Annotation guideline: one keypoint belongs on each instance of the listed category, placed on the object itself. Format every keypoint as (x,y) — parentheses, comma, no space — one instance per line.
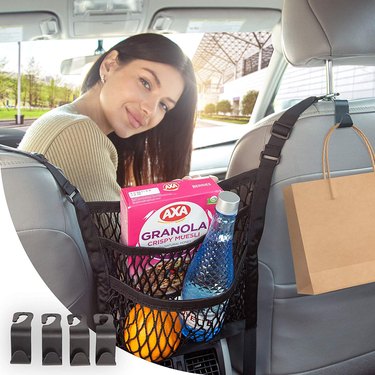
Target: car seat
(11,137)
(47,226)
(332,333)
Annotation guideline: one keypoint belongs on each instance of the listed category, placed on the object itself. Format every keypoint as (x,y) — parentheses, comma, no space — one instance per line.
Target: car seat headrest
(343,31)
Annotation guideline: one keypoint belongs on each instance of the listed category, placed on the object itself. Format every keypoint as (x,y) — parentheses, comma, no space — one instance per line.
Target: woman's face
(136,96)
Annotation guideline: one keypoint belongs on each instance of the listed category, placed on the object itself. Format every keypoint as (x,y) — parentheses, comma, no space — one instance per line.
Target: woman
(133,123)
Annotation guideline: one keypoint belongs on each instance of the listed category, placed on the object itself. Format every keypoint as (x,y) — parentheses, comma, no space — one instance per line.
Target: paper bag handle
(325,159)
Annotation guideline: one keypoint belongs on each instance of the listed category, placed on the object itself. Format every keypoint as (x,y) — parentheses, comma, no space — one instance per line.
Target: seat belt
(269,158)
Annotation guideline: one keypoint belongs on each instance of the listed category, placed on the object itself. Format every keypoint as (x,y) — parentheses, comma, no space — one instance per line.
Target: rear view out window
(351,82)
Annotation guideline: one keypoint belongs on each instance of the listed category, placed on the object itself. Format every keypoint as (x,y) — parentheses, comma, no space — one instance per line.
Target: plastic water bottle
(211,271)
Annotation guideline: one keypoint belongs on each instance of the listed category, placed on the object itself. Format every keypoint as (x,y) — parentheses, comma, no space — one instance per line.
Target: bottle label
(207,319)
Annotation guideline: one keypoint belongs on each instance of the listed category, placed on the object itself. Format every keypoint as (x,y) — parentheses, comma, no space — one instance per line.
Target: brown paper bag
(331,226)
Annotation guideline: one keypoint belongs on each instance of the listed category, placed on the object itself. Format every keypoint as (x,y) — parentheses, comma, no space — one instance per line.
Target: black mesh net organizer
(145,285)
(141,293)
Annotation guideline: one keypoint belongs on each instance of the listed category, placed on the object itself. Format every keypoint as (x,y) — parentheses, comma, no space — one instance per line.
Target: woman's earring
(102,78)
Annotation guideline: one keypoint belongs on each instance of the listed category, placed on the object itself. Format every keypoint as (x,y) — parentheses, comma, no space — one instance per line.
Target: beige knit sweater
(75,144)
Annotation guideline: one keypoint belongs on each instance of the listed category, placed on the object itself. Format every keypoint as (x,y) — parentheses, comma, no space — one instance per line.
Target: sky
(48,54)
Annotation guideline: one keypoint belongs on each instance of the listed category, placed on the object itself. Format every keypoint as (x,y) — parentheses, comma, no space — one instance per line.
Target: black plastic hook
(51,340)
(20,335)
(79,341)
(105,339)
(342,116)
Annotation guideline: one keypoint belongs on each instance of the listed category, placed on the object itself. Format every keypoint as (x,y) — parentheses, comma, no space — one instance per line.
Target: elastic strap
(270,157)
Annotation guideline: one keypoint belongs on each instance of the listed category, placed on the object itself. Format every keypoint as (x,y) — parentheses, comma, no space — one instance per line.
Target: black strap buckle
(71,196)
(280,130)
(70,191)
(269,157)
(40,157)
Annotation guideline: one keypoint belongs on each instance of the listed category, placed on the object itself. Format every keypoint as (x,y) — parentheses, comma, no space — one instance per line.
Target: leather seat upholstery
(47,227)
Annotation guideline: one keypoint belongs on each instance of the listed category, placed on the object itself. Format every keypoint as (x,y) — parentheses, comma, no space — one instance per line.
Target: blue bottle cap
(227,203)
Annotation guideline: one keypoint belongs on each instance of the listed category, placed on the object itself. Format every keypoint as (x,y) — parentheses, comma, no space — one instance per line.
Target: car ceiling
(55,19)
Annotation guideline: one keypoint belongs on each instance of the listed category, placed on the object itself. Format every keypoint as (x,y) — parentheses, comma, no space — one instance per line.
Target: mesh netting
(146,283)
(153,330)
(153,271)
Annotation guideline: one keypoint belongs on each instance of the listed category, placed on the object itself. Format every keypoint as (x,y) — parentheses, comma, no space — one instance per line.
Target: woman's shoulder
(58,122)
(60,118)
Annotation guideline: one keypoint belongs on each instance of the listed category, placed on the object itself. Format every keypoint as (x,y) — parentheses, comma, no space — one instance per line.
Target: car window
(49,54)
(350,81)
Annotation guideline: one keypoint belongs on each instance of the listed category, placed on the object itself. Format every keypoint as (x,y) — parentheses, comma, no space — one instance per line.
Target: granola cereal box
(165,215)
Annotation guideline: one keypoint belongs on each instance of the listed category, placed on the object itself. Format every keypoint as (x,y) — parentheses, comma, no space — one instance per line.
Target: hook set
(52,339)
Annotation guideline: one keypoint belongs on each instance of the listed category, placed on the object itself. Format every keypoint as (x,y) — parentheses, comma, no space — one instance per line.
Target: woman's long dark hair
(162,153)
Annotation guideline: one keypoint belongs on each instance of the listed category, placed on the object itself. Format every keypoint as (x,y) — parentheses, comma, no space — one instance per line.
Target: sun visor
(314,31)
(206,20)
(30,26)
(107,18)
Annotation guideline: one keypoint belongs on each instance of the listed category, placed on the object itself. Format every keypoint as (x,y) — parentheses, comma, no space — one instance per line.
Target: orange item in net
(151,334)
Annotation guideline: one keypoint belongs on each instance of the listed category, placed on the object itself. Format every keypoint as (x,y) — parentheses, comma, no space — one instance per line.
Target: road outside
(12,124)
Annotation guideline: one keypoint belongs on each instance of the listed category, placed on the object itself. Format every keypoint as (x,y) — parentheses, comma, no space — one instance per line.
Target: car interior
(324,334)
